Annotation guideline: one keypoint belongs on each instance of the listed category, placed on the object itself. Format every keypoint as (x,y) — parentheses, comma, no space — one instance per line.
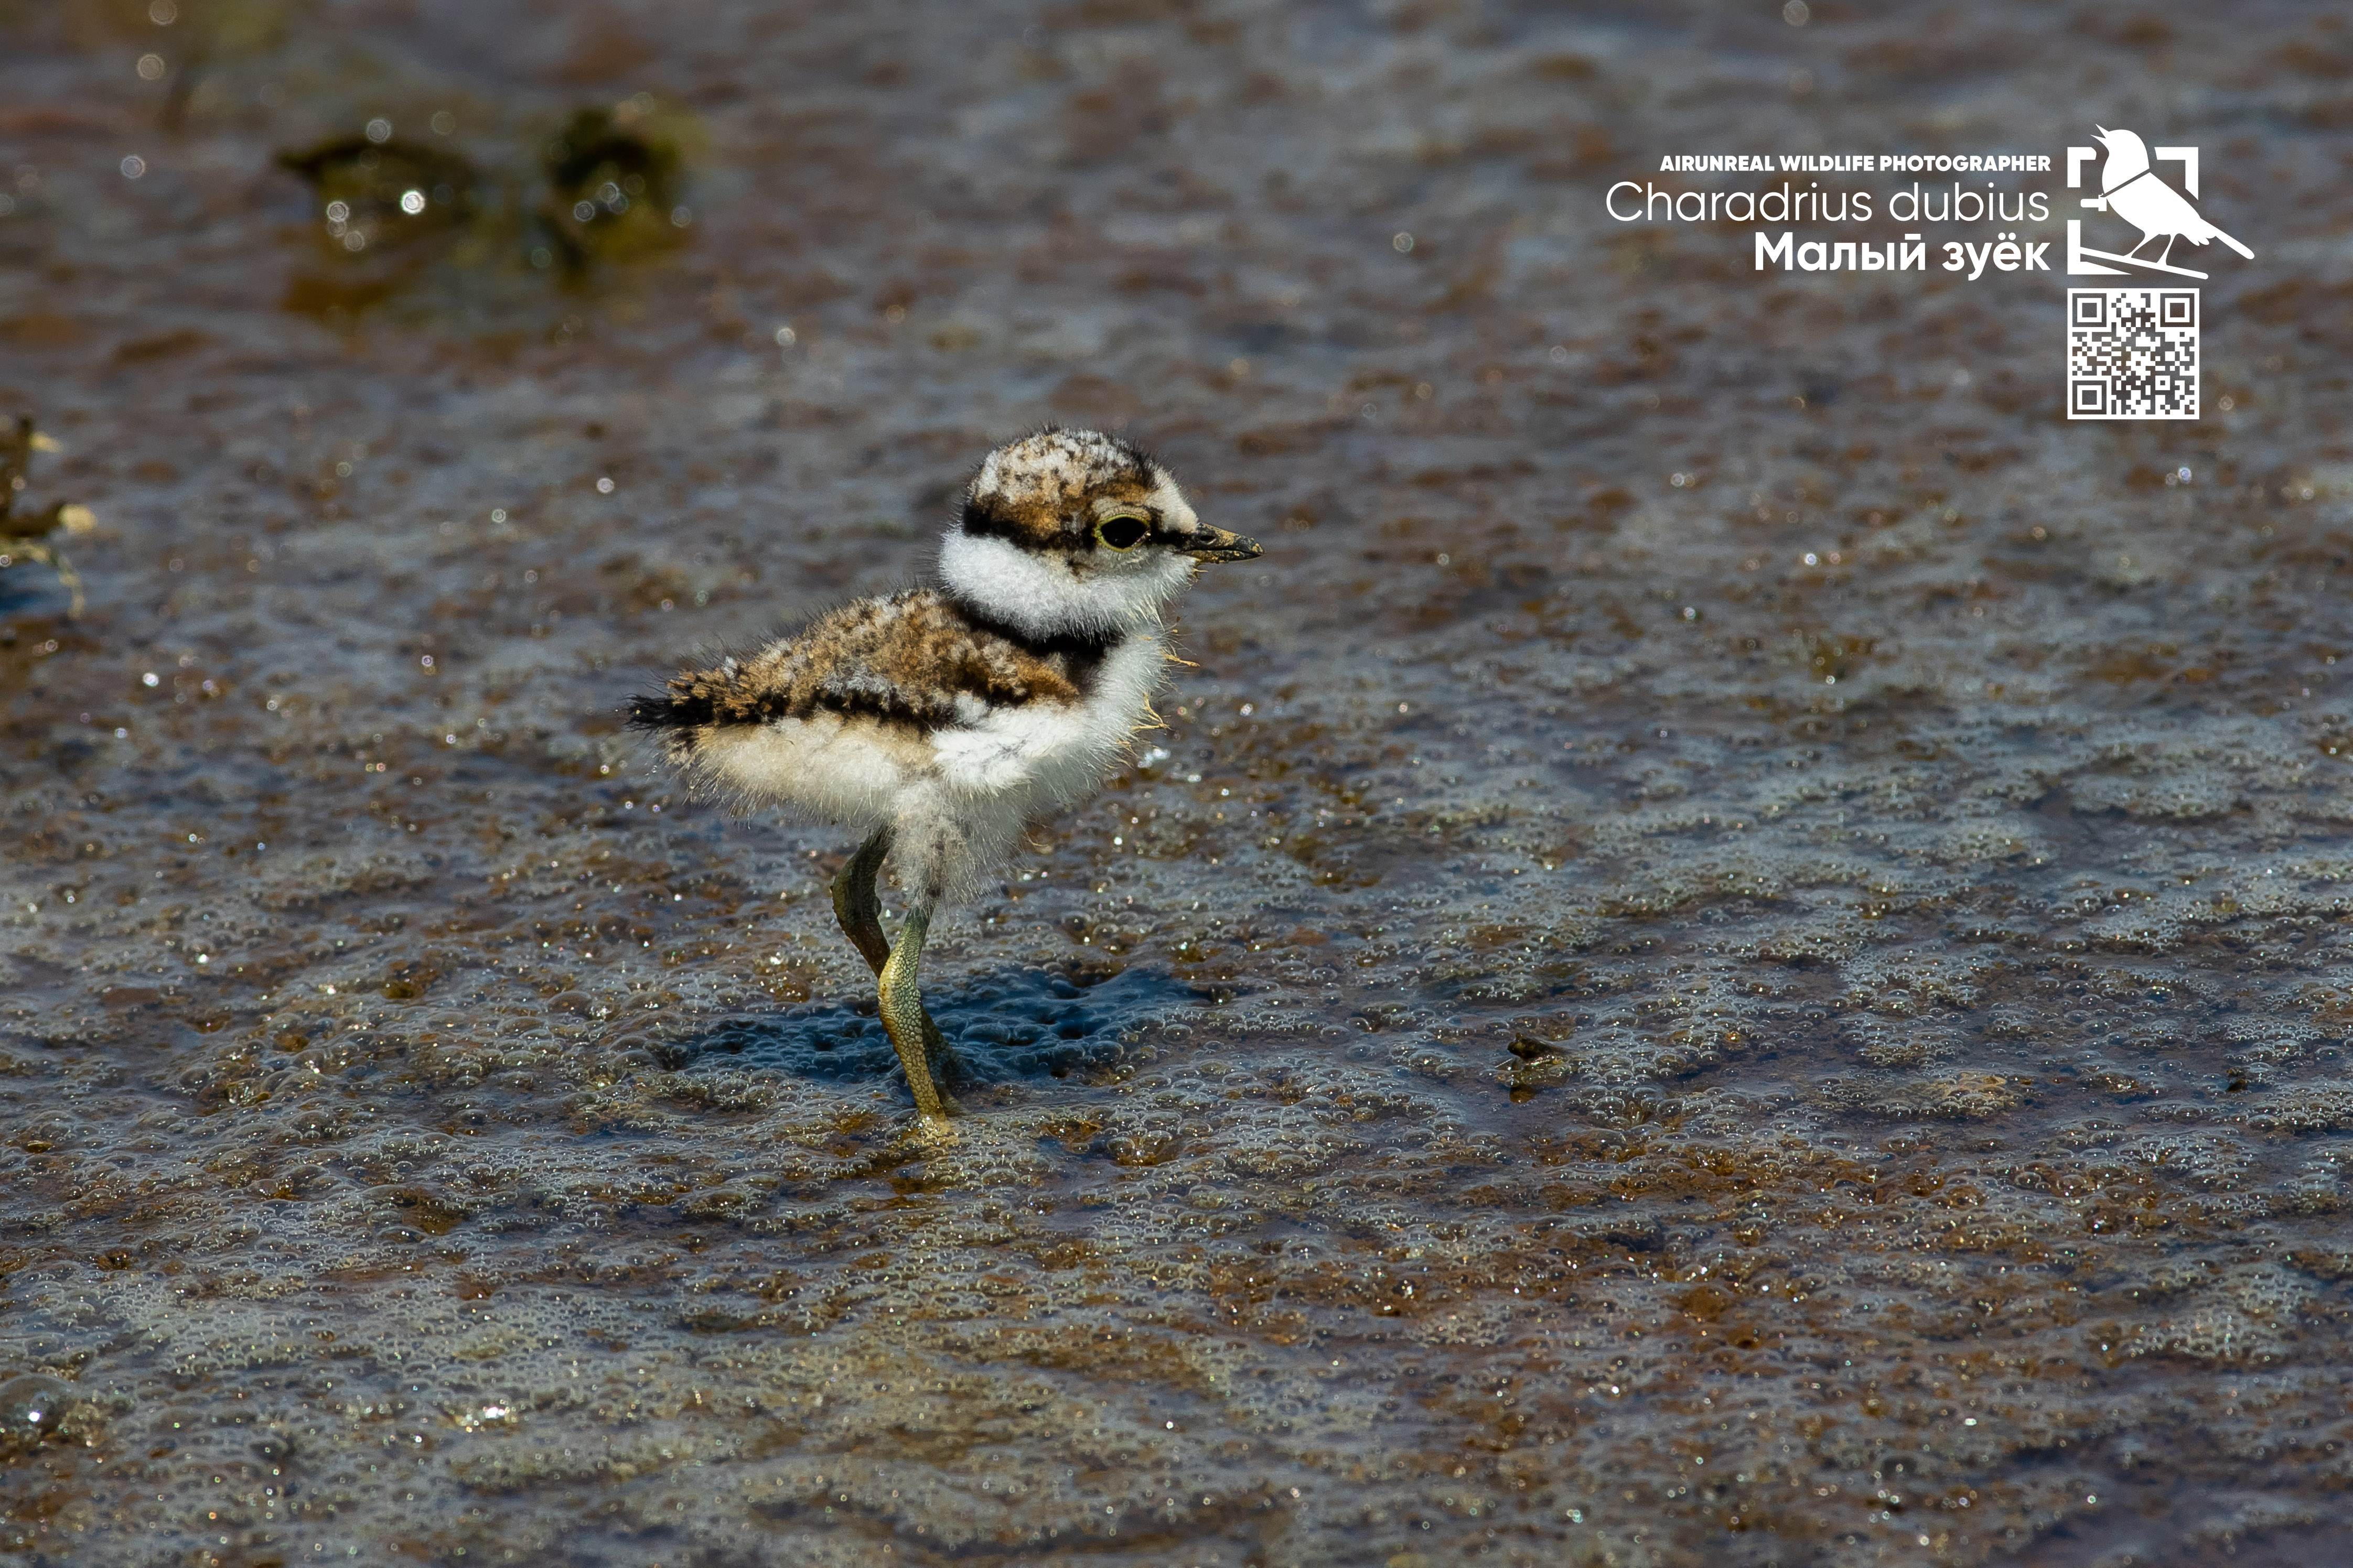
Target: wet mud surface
(1736,948)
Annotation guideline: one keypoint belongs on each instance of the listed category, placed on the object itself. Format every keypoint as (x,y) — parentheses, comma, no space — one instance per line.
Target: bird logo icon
(2131,188)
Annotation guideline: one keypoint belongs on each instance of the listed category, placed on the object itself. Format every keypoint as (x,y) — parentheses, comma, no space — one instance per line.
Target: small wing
(918,658)
(912,659)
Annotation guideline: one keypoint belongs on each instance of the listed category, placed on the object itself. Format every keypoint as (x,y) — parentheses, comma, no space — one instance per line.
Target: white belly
(957,800)
(1042,755)
(850,771)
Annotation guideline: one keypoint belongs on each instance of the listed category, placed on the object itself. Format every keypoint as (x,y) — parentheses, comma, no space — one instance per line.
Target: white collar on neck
(1041,596)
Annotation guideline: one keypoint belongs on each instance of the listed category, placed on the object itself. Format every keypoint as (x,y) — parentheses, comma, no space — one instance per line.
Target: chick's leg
(912,1033)
(72,578)
(855,904)
(858,907)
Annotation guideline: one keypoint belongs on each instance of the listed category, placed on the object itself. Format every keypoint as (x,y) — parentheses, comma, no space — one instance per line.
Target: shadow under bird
(939,722)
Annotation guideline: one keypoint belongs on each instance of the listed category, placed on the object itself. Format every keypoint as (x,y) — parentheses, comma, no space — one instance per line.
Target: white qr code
(2132,353)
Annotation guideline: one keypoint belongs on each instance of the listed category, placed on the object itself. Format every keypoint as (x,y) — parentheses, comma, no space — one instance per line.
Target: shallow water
(1795,1016)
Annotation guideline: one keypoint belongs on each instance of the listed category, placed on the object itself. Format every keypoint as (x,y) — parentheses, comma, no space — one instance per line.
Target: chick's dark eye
(1122,532)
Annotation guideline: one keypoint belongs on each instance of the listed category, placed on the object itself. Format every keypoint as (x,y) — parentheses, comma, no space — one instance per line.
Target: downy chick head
(1073,532)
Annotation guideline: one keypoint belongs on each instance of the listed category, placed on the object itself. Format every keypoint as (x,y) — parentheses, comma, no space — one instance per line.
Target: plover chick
(941,721)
